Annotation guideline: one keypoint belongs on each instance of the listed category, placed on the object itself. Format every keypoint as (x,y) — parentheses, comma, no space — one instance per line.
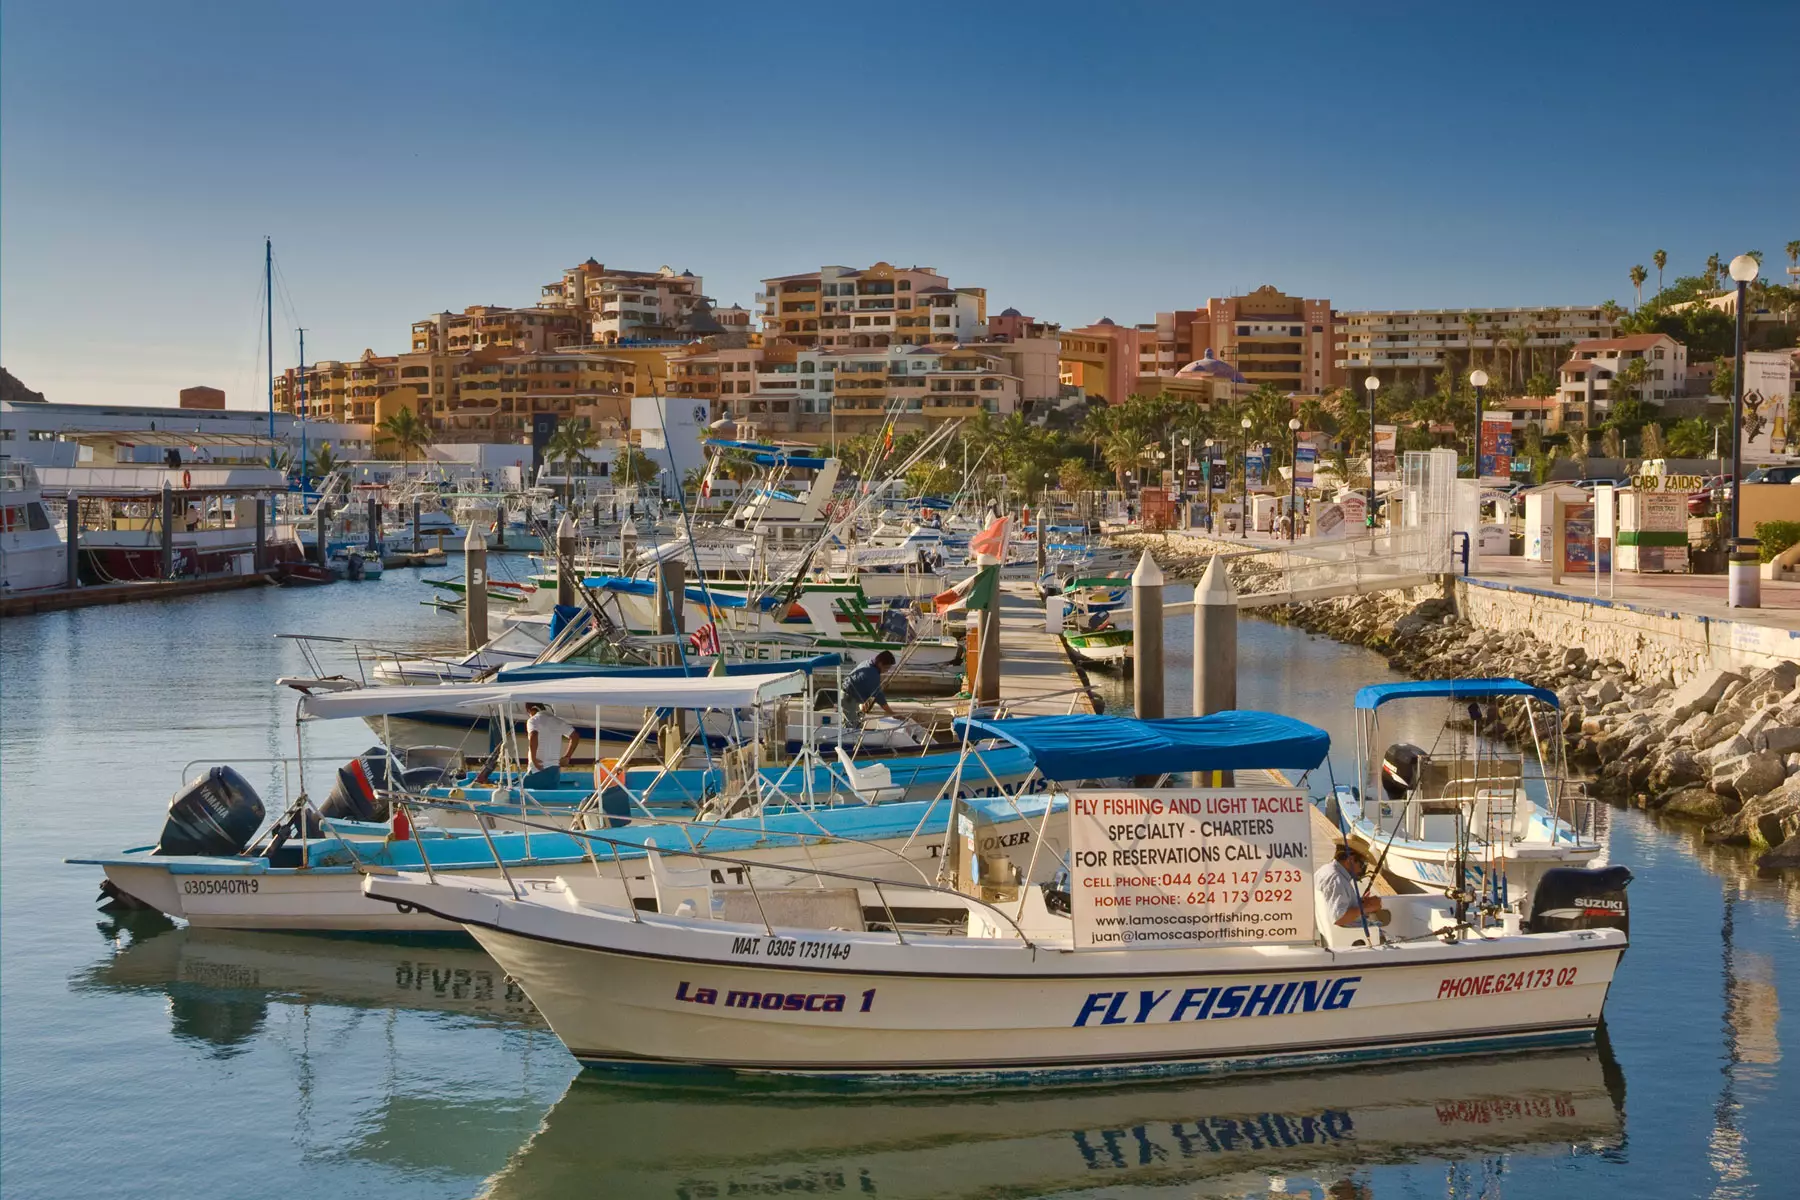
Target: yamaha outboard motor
(356,794)
(217,814)
(1575,898)
(1400,769)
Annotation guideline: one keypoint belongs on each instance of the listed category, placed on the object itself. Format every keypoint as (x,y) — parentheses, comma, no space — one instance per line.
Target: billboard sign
(1495,464)
(1768,387)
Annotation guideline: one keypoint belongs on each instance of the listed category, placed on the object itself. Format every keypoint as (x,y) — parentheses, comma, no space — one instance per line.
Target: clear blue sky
(1079,161)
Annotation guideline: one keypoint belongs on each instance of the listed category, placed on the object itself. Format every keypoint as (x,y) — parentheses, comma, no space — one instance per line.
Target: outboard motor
(356,794)
(1401,767)
(1578,898)
(217,815)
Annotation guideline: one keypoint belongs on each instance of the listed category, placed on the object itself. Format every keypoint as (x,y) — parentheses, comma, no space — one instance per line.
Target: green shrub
(1776,536)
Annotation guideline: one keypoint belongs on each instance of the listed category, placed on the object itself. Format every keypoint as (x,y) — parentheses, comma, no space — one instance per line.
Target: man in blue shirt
(863,687)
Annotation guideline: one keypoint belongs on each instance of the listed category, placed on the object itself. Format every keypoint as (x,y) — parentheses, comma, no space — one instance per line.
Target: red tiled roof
(1637,341)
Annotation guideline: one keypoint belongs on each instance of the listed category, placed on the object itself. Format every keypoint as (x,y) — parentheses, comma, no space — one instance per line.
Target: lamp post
(1479,378)
(1371,383)
(1206,481)
(1293,477)
(1744,584)
(1244,508)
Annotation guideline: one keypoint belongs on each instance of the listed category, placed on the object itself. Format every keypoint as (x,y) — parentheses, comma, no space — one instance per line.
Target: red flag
(991,541)
(887,442)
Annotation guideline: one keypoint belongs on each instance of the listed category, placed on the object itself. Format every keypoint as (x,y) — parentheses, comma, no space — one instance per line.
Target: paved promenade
(1688,595)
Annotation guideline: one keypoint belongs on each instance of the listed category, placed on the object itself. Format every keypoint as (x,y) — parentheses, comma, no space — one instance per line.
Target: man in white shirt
(1343,902)
(551,741)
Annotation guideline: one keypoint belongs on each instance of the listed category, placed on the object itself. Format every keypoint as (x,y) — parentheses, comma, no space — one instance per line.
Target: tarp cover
(1080,746)
(647,587)
(1377,694)
(701,692)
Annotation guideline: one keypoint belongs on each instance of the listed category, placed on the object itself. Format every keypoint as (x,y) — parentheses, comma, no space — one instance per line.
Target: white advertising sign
(1176,868)
(1767,386)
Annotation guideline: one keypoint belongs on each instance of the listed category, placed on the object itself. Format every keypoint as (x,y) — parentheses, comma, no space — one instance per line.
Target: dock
(1037,676)
(21,604)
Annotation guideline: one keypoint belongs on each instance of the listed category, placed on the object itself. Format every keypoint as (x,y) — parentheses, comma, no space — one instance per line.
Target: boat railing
(743,868)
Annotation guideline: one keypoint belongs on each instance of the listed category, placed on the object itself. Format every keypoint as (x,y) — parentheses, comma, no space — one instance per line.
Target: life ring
(187,479)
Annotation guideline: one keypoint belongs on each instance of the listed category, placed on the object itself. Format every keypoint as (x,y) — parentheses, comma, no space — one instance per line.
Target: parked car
(1591,484)
(1777,473)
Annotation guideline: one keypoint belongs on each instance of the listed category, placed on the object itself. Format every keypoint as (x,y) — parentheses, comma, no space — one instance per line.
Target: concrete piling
(168,533)
(1147,638)
(73,563)
(1215,652)
(475,596)
(565,560)
(259,560)
(321,552)
(374,523)
(415,528)
(987,656)
(671,599)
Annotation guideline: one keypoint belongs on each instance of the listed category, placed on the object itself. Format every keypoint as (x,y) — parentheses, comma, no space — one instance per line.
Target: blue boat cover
(770,456)
(1081,746)
(525,672)
(647,587)
(563,616)
(1377,694)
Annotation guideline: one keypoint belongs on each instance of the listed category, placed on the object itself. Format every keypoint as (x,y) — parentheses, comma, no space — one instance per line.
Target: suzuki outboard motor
(356,794)
(217,814)
(1400,768)
(1574,898)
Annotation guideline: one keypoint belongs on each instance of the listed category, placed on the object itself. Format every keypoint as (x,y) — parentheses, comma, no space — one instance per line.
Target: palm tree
(1793,253)
(1638,275)
(1651,443)
(1516,341)
(324,462)
(1612,312)
(1713,269)
(569,445)
(1661,259)
(1473,322)
(406,431)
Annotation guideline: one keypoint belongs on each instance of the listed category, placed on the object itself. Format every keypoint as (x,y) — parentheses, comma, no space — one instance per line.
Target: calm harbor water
(150,1060)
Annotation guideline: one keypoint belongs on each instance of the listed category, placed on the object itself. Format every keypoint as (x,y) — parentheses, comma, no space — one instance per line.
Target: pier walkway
(18,604)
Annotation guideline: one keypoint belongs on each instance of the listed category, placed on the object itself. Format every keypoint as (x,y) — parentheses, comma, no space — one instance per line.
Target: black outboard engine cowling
(1575,898)
(356,796)
(1400,768)
(217,814)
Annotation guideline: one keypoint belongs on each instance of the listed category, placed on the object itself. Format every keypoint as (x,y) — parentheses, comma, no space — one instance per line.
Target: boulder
(1765,821)
(1748,775)
(1606,691)
(1782,676)
(1736,747)
(1699,694)
(1698,804)
(1780,739)
(1677,769)
(1785,857)
(1719,727)
(1574,657)
(1409,626)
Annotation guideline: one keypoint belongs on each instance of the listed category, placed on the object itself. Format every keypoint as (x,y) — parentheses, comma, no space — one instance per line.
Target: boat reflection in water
(221,981)
(613,1139)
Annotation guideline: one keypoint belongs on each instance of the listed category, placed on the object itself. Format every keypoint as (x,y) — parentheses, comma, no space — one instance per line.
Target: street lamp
(1293,478)
(1206,481)
(1244,508)
(1743,585)
(1479,378)
(1371,383)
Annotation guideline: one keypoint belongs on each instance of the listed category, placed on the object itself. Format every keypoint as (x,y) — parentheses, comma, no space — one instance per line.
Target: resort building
(871,308)
(1584,384)
(1101,360)
(1415,345)
(619,306)
(1269,336)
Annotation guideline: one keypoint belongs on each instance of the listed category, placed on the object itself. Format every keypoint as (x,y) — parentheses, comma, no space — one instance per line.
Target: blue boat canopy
(770,456)
(647,587)
(1377,694)
(1082,746)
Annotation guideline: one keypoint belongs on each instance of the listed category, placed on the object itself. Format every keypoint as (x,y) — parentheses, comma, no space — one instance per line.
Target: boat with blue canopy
(1176,935)
(1469,814)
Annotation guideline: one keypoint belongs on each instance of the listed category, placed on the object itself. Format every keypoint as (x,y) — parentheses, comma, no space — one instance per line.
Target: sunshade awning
(1377,694)
(702,691)
(533,672)
(647,587)
(1080,746)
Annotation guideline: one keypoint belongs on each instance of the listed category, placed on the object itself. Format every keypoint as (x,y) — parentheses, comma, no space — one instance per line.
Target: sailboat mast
(269,309)
(304,469)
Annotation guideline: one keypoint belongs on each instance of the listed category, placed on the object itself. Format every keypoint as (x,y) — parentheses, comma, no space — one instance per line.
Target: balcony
(958,406)
(854,406)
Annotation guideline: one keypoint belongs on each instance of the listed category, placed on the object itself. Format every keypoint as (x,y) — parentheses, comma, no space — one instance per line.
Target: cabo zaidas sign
(1176,868)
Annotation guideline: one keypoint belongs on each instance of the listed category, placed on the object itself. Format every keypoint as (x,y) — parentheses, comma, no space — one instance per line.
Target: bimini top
(1377,694)
(1081,746)
(647,587)
(770,456)
(584,692)
(534,672)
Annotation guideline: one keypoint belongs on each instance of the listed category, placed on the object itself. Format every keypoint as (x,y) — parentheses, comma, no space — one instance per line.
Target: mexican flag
(979,591)
(990,542)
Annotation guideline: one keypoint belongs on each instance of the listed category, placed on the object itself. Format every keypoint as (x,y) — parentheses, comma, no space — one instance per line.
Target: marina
(1047,667)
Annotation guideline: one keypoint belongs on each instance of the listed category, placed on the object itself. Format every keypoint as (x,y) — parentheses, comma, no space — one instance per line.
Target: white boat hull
(659,992)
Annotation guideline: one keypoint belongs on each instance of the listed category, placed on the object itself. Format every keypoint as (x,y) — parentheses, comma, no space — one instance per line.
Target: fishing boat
(998,978)
(1100,647)
(1469,812)
(33,554)
(217,866)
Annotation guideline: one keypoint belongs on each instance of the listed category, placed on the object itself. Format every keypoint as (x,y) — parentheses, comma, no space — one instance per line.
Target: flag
(990,541)
(706,479)
(978,591)
(887,442)
(704,640)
